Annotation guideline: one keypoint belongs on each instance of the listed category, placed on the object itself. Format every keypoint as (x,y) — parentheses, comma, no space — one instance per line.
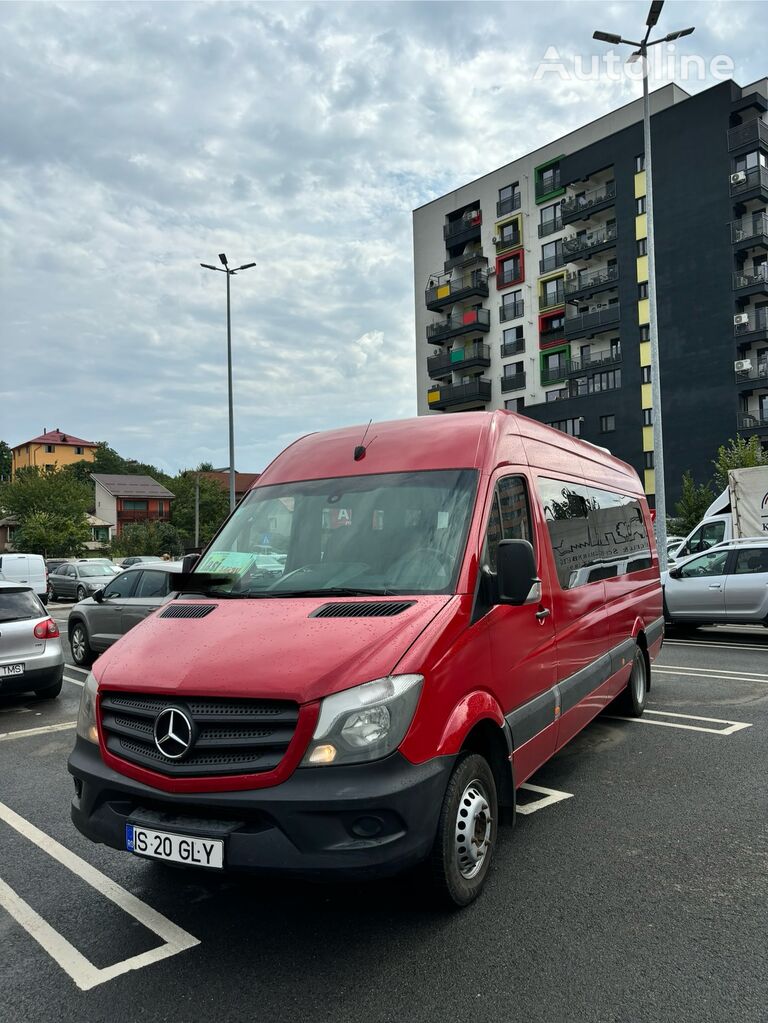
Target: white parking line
(733,726)
(715,673)
(719,646)
(75,681)
(74,667)
(549,797)
(80,969)
(62,726)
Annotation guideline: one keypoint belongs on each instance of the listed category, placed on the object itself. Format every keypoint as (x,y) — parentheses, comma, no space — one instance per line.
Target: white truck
(740,511)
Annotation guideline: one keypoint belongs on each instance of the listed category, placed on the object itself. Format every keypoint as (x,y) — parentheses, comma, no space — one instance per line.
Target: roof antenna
(360,448)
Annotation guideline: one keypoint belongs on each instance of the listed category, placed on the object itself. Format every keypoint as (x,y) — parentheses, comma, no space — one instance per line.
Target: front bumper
(369,820)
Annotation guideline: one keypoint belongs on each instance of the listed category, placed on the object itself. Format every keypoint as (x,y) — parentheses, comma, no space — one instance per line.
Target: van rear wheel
(633,699)
(466,833)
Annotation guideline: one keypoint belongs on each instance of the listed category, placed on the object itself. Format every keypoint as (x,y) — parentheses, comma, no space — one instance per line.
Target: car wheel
(632,700)
(80,594)
(50,693)
(466,833)
(82,654)
(51,592)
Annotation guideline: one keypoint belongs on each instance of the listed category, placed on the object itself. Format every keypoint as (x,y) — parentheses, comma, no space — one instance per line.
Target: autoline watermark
(663,62)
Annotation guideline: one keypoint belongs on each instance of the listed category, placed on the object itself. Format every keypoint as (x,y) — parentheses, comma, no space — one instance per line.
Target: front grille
(234,736)
(364,609)
(187,610)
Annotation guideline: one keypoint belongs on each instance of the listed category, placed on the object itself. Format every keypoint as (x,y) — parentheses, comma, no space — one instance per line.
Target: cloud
(141,139)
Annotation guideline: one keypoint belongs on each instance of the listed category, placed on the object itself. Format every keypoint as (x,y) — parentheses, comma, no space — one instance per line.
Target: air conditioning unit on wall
(739,319)
(738,178)
(742,365)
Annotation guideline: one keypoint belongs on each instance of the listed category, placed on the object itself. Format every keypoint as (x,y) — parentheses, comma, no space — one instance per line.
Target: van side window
(596,534)
(510,517)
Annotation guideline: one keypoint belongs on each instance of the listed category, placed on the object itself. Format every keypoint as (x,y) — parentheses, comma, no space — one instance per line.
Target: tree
(737,454)
(45,490)
(52,535)
(147,538)
(689,510)
(214,507)
(6,461)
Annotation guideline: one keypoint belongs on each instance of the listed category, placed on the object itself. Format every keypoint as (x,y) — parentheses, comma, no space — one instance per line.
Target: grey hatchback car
(77,580)
(98,621)
(727,585)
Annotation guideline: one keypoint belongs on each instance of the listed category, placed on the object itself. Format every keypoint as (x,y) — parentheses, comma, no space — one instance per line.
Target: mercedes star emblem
(173,733)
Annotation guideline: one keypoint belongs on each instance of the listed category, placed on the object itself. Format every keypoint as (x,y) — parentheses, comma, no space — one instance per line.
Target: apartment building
(532,282)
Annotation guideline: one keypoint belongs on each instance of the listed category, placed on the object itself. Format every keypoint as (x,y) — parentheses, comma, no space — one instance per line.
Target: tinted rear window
(17,605)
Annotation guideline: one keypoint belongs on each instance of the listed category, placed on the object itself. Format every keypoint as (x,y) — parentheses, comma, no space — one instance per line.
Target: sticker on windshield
(231,562)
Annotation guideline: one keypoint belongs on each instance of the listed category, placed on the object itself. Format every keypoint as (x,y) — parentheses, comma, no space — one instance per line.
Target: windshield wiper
(332,591)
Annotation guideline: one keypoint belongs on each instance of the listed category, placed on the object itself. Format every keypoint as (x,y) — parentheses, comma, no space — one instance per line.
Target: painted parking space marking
(23,733)
(722,645)
(81,970)
(722,674)
(730,729)
(548,798)
(75,681)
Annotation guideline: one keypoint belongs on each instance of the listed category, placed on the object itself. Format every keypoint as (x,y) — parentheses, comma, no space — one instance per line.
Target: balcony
(550,263)
(750,425)
(752,184)
(511,310)
(751,282)
(448,292)
(552,299)
(755,329)
(469,322)
(514,382)
(588,324)
(512,241)
(512,348)
(551,335)
(581,207)
(585,245)
(548,184)
(578,367)
(756,376)
(554,374)
(465,229)
(550,227)
(464,260)
(477,390)
(444,364)
(588,283)
(508,205)
(126,517)
(750,232)
(751,134)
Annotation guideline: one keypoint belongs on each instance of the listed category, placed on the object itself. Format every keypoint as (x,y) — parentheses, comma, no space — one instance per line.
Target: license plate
(11,669)
(165,845)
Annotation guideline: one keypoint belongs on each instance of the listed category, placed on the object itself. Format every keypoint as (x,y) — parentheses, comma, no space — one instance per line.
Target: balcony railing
(447,292)
(593,322)
(465,259)
(553,374)
(513,382)
(512,348)
(468,222)
(550,227)
(549,334)
(750,278)
(754,373)
(745,134)
(551,263)
(582,205)
(757,321)
(508,205)
(583,243)
(459,394)
(476,354)
(470,320)
(575,283)
(592,362)
(550,299)
(549,184)
(512,241)
(511,310)
(753,226)
(755,178)
(748,422)
(125,517)
(508,277)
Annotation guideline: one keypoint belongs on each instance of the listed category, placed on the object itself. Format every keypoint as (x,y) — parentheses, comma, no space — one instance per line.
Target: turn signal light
(47,629)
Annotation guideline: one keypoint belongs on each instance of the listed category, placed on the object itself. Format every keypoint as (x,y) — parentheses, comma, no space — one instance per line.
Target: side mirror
(98,595)
(675,573)
(516,571)
(189,561)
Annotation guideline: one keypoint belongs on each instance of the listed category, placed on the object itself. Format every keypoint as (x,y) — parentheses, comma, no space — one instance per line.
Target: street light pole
(641,52)
(224,268)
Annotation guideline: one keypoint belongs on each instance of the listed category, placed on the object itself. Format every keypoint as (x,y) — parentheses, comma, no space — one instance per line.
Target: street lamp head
(634,56)
(654,12)
(246,266)
(678,35)
(209,267)
(606,37)
(223,258)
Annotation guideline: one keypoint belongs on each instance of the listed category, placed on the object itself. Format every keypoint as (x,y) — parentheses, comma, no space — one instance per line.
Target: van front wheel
(633,699)
(466,832)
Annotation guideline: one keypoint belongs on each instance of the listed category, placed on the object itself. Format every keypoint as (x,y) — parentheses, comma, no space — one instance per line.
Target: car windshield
(95,570)
(380,534)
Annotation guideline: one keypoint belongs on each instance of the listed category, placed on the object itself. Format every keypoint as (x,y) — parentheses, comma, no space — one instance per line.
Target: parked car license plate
(165,845)
(11,669)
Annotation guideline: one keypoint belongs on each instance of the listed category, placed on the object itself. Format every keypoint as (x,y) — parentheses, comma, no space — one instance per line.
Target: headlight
(364,723)
(86,716)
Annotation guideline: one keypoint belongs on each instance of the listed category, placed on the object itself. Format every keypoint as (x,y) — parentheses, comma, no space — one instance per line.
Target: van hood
(268,648)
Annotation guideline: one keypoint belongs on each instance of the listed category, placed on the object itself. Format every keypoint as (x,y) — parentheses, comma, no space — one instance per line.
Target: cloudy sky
(137,140)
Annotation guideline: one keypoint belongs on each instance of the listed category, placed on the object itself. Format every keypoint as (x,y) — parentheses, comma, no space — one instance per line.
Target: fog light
(323,754)
(367,827)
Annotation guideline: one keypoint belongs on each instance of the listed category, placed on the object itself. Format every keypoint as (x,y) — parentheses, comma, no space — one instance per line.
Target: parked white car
(31,657)
(728,585)
(26,570)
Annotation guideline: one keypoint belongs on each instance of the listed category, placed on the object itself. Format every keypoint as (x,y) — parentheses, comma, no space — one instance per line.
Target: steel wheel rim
(474,828)
(78,644)
(638,679)
(80,593)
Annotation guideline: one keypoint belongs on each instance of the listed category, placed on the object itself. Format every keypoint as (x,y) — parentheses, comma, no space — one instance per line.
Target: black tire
(43,597)
(80,594)
(457,873)
(50,693)
(51,592)
(631,702)
(80,645)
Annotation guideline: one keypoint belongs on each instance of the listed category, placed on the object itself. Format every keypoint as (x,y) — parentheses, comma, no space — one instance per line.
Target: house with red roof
(52,450)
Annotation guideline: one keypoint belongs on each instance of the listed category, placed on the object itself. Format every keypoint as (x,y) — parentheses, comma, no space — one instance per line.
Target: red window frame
(501,260)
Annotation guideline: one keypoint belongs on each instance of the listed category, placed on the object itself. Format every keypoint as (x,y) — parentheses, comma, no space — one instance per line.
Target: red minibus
(386,638)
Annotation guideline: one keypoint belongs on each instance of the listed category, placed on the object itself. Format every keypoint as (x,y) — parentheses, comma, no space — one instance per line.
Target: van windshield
(391,533)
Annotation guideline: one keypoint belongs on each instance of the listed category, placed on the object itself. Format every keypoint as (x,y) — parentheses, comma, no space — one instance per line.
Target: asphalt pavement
(634,887)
